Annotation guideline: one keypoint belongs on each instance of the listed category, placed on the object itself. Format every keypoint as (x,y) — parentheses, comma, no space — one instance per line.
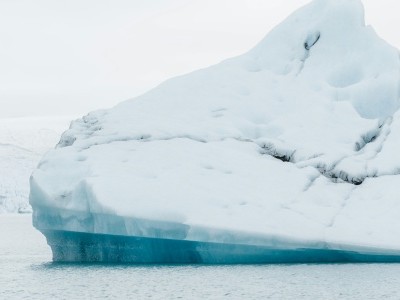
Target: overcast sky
(67,57)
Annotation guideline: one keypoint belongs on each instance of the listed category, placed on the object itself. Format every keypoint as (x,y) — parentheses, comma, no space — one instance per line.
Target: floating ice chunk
(292,145)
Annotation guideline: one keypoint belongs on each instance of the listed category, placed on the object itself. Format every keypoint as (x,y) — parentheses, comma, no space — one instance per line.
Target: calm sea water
(26,272)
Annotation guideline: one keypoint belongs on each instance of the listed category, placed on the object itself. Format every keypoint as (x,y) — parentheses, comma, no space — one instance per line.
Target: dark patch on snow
(336,176)
(341,176)
(283,158)
(311,40)
(367,138)
(373,135)
(66,141)
(364,141)
(270,149)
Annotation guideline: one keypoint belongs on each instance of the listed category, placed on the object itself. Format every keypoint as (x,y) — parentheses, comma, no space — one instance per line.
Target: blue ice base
(70,246)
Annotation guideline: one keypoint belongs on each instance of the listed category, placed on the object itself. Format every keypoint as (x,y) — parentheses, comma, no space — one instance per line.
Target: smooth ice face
(297,138)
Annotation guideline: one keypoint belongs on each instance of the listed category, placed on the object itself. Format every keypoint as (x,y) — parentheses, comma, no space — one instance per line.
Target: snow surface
(297,138)
(23,141)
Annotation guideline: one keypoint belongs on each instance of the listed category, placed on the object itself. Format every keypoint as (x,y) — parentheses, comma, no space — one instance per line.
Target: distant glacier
(23,141)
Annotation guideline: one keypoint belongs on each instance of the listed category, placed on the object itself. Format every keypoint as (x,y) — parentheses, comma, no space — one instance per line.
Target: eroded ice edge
(131,240)
(288,153)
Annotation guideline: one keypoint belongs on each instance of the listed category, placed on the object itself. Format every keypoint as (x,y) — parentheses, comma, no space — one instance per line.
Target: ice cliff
(297,139)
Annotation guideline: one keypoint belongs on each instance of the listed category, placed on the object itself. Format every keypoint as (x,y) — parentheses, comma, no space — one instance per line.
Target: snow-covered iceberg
(289,152)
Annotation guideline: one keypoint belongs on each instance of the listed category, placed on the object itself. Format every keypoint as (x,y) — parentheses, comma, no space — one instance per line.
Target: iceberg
(287,153)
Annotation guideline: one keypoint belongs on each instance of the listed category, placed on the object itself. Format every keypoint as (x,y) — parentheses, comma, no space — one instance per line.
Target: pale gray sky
(63,57)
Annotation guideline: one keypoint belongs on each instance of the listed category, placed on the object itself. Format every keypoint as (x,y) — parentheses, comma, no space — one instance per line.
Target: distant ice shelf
(23,141)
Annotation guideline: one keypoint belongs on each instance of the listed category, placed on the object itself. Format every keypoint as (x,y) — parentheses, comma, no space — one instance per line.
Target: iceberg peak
(327,46)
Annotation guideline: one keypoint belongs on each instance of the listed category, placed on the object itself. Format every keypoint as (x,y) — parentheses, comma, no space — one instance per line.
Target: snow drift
(296,140)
